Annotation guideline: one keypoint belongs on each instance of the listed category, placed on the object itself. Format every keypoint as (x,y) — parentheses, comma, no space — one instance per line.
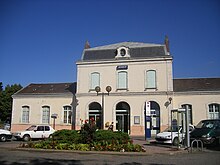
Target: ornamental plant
(87,139)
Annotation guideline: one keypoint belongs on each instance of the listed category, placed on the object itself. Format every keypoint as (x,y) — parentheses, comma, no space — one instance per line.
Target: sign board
(122,67)
(54,115)
(147,108)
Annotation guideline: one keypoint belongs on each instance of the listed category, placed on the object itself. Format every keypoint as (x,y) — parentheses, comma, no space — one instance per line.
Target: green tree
(6,100)
(1,87)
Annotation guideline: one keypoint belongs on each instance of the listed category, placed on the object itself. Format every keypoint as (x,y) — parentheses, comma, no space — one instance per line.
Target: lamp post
(54,117)
(98,89)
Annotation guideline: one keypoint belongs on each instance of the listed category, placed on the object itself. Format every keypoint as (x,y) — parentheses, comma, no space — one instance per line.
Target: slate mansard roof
(179,85)
(136,49)
(196,84)
(49,89)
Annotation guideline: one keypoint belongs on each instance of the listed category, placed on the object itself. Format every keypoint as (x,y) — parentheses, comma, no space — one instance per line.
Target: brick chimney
(166,42)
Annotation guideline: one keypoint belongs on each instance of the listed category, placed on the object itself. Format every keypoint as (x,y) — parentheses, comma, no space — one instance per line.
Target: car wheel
(26,138)
(51,136)
(3,138)
(175,141)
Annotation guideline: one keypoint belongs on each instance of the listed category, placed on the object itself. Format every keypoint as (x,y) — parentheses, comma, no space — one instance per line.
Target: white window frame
(122,80)
(45,114)
(67,111)
(25,114)
(94,80)
(151,80)
(214,111)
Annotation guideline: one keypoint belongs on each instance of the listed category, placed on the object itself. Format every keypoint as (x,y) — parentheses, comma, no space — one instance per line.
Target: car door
(38,132)
(47,132)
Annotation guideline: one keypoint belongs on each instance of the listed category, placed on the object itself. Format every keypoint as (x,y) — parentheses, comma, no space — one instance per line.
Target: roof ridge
(51,83)
(126,44)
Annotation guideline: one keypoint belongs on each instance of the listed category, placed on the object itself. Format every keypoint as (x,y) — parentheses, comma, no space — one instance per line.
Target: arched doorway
(155,117)
(123,117)
(95,112)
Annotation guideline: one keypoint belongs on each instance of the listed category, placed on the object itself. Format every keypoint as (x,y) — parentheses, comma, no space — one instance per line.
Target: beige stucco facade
(35,104)
(135,95)
(200,102)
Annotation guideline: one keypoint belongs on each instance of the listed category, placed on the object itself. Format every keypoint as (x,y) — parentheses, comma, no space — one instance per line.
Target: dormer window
(122,52)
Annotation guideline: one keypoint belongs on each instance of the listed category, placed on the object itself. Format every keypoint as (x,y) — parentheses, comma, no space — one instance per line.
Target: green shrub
(67,136)
(87,139)
(111,137)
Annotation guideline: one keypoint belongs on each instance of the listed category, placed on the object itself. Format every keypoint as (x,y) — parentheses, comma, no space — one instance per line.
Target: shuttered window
(151,79)
(95,80)
(122,80)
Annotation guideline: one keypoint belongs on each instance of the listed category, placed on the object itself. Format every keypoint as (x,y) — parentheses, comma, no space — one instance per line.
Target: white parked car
(5,135)
(35,132)
(171,137)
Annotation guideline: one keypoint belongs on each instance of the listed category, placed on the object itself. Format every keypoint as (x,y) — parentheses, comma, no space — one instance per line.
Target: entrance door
(123,117)
(95,114)
(122,122)
(155,117)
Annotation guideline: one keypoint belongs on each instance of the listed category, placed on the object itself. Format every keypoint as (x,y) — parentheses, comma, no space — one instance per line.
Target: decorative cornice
(127,60)
(127,93)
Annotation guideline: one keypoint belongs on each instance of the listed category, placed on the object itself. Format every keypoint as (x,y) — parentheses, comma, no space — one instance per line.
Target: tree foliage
(6,99)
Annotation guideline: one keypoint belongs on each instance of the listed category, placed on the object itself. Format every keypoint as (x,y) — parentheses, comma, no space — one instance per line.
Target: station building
(118,83)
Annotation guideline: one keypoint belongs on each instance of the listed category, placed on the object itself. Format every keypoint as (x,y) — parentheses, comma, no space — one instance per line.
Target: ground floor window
(25,114)
(45,114)
(67,117)
(213,112)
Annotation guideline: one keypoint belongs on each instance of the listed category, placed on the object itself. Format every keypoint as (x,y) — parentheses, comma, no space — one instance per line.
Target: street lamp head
(97,89)
(170,99)
(108,89)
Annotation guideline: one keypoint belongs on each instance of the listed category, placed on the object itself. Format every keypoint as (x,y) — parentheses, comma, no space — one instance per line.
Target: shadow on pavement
(44,162)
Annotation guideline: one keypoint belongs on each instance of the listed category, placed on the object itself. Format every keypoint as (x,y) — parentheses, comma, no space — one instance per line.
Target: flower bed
(87,139)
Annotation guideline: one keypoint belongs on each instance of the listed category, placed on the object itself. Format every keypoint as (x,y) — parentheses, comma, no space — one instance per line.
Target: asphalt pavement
(150,146)
(154,155)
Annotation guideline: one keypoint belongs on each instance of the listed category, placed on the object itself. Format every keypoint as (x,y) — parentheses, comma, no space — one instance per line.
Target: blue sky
(40,40)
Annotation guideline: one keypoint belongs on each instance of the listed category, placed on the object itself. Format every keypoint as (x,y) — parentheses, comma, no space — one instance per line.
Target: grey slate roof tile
(196,84)
(137,50)
(51,88)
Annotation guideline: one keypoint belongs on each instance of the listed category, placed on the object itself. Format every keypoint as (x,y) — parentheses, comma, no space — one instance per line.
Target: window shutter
(95,79)
(151,79)
(122,80)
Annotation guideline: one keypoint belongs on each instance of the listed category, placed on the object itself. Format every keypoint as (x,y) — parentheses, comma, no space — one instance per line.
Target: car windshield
(31,128)
(206,124)
(174,129)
